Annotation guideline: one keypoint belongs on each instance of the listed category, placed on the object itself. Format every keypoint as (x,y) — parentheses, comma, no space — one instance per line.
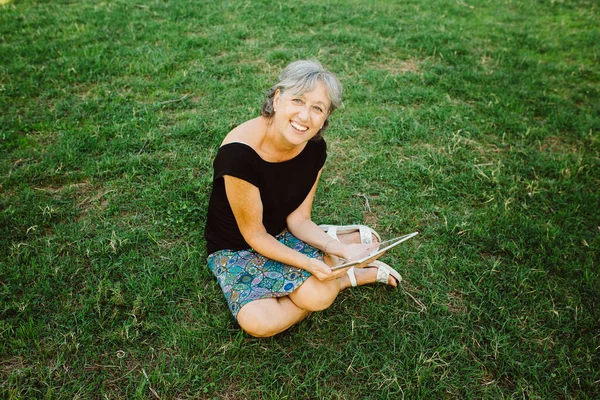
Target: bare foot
(354,237)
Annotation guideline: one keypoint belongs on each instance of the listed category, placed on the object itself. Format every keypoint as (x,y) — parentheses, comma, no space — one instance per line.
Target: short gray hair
(300,77)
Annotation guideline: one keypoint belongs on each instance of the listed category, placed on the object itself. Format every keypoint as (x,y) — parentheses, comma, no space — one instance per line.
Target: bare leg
(268,317)
(315,295)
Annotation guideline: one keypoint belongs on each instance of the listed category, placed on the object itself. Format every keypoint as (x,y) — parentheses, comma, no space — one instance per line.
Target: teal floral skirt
(245,275)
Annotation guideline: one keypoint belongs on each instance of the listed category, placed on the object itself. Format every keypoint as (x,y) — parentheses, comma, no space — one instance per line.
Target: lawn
(474,122)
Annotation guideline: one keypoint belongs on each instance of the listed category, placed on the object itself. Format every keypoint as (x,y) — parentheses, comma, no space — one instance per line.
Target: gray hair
(300,77)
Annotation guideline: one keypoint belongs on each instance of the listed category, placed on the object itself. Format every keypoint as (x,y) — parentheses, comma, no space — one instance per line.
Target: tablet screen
(383,247)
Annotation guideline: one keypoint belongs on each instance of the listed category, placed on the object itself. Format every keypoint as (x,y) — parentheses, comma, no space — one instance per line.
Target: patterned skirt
(245,275)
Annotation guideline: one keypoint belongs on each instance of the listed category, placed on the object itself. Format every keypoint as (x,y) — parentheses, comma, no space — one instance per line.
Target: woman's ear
(276,97)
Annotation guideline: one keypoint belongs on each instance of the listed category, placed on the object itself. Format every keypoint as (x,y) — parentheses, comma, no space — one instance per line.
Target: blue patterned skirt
(245,275)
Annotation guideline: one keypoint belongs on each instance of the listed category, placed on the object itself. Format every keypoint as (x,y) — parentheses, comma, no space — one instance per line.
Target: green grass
(473,122)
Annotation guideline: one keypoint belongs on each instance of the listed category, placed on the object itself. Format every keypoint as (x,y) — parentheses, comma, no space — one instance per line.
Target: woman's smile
(299,127)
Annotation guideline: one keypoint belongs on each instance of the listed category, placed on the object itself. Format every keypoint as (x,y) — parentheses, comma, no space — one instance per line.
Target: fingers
(338,273)
(360,250)
(323,272)
(373,246)
(328,275)
(369,261)
(319,269)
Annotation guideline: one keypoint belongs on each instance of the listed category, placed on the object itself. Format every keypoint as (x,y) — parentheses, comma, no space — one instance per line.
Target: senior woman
(270,259)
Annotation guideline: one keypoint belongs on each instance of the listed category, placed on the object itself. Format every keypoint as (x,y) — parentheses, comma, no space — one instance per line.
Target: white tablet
(382,248)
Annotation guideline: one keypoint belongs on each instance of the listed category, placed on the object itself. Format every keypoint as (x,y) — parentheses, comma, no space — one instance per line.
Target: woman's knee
(253,321)
(268,317)
(258,329)
(315,295)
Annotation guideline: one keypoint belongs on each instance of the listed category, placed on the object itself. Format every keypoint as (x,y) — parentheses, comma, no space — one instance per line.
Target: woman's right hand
(322,272)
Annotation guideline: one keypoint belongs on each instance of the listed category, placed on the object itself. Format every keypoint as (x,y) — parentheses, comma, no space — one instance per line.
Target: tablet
(383,247)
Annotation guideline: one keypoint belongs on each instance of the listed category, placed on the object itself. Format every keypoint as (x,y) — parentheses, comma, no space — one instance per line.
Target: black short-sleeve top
(283,187)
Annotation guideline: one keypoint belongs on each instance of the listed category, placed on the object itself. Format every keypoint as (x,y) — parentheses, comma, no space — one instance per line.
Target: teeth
(299,127)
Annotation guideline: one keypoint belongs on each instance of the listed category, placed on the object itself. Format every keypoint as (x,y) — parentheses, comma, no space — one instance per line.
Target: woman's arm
(244,199)
(300,224)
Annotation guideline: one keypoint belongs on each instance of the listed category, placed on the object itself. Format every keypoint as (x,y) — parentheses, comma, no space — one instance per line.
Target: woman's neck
(274,146)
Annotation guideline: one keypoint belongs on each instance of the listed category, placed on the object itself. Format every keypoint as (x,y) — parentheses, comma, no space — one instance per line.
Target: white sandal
(365,232)
(383,273)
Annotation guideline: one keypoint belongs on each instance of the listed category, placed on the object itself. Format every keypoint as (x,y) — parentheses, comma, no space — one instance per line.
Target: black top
(283,187)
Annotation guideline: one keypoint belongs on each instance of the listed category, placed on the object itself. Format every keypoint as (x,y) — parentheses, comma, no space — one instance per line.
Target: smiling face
(299,117)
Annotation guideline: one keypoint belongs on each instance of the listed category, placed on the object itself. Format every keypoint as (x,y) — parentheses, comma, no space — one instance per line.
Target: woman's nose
(304,113)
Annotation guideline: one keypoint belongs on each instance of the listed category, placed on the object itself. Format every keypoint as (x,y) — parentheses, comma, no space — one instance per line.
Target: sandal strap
(366,233)
(383,275)
(352,277)
(332,231)
(384,271)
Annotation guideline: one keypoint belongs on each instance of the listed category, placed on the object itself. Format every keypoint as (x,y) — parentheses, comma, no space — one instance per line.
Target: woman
(271,260)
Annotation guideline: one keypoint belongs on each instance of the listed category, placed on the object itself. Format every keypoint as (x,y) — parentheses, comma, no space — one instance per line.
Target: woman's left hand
(354,251)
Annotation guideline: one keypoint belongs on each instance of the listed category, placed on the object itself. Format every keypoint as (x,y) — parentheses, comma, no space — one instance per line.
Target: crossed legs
(268,317)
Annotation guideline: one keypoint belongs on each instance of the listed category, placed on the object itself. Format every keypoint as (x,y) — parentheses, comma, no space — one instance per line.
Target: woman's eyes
(301,102)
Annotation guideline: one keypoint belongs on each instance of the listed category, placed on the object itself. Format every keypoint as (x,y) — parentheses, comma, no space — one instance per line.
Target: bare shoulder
(248,132)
